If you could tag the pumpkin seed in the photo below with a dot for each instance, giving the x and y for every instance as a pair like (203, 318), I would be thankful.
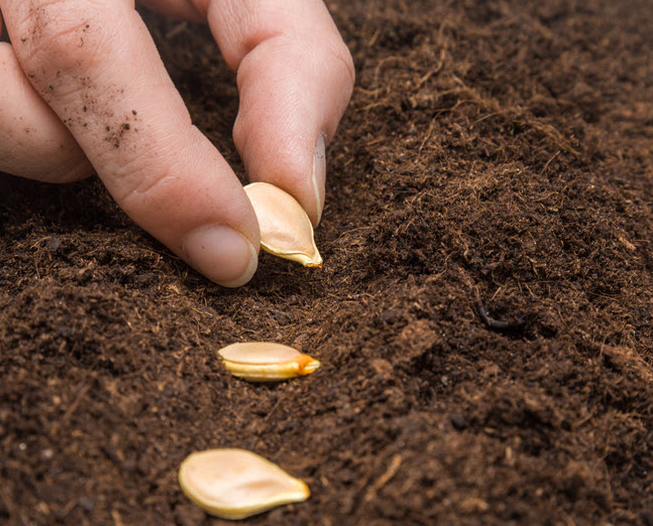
(234, 483)
(266, 361)
(286, 230)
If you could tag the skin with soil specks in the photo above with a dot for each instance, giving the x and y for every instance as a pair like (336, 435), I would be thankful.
(494, 154)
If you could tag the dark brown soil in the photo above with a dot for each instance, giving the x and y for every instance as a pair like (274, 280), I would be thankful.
(483, 315)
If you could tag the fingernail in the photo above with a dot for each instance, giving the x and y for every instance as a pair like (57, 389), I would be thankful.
(319, 175)
(221, 254)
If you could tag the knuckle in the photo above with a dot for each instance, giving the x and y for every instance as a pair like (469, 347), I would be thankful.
(140, 183)
(152, 191)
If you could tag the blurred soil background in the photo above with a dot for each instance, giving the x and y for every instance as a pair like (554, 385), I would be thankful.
(483, 316)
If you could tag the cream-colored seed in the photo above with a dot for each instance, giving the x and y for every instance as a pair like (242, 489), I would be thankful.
(266, 361)
(286, 230)
(235, 483)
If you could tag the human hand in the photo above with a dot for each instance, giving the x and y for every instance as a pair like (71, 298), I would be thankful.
(84, 91)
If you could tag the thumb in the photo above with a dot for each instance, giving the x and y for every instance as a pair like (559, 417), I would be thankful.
(96, 66)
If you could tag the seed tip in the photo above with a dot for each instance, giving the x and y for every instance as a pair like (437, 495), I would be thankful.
(310, 367)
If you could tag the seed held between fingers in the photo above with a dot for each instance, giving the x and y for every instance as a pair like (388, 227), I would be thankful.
(266, 361)
(286, 230)
(234, 483)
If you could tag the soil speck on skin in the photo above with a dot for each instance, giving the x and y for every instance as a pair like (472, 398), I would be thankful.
(493, 152)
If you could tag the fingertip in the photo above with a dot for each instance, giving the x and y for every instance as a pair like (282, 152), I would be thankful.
(222, 254)
(292, 164)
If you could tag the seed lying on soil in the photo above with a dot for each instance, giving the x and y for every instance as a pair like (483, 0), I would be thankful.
(235, 483)
(266, 361)
(286, 230)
